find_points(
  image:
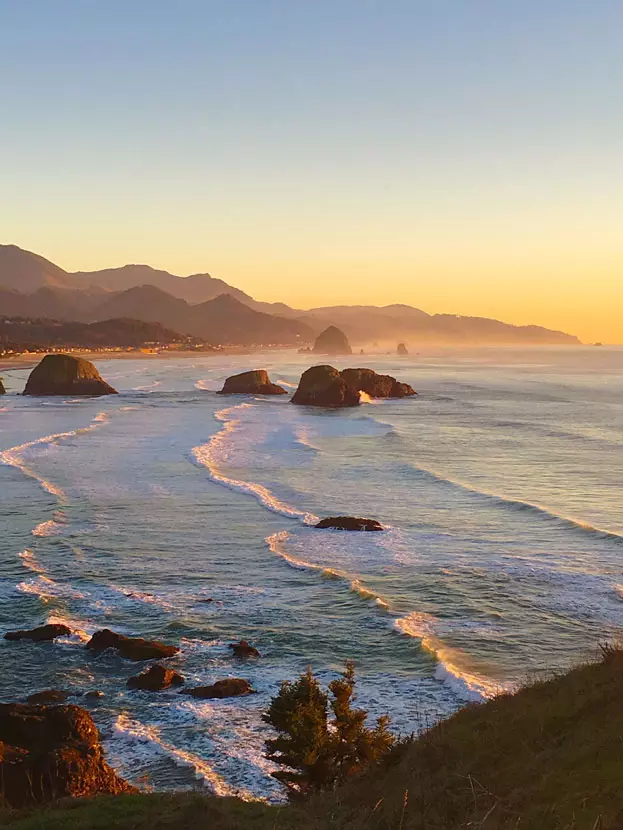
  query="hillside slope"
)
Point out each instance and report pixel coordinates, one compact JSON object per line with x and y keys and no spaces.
{"x":547,"y":758}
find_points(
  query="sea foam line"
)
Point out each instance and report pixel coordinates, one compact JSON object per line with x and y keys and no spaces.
{"x":206,"y":455}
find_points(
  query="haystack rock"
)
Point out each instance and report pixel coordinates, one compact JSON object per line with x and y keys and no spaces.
{"x":402,"y":349}
{"x":231,"y":687}
{"x":349,"y":523}
{"x":256,"y":382}
{"x":41,"y":634}
{"x":155,"y":679}
{"x":133,"y":648}
{"x":64,"y":374}
{"x":324,"y":386}
{"x":375,"y":385}
{"x":51,"y":752}
{"x":332,"y":341}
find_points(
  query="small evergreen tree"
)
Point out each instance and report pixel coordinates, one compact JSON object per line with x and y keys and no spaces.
{"x":320,"y":753}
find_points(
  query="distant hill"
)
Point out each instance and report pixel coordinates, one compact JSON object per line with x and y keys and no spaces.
{"x":31,"y":285}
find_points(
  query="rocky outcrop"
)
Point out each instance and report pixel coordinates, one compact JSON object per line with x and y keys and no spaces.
{"x":64,"y":374}
{"x":324,"y":386}
{"x":155,"y":679}
{"x":48,"y":697}
{"x":332,"y":341}
{"x":51,"y":752}
{"x":231,"y":687}
{"x":243,"y":649}
{"x":349,"y":523}
{"x":132,"y":648}
{"x":40,"y":634}
{"x":256,"y":382}
{"x":375,"y":385}
{"x":401,"y":349}
{"x":2,"y":389}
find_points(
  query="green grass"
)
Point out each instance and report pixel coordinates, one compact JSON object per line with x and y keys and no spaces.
{"x":547,"y":758}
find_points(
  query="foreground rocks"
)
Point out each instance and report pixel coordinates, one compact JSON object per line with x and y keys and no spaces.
{"x":41,"y":634}
{"x":231,"y":687}
{"x":50,"y":752}
{"x":243,"y":649}
{"x":132,"y":648}
{"x":256,"y":382}
{"x":324,"y":386}
{"x":155,"y":679}
{"x":64,"y":374}
{"x":349,"y":523}
{"x":332,"y":341}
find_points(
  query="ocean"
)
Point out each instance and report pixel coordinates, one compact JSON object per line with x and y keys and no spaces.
{"x":171,"y":512}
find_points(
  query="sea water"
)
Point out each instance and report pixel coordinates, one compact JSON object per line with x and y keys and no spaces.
{"x":169,"y":511}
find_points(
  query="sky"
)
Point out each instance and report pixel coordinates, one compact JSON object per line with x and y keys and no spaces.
{"x":462,"y":156}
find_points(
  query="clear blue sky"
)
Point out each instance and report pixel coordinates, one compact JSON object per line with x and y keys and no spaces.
{"x":464,"y":156}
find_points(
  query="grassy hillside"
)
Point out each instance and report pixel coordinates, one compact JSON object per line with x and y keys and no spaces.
{"x":550,"y":756}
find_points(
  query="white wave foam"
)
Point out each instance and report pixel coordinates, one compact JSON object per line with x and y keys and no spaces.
{"x":365,"y":398}
{"x":80,"y":633}
{"x":207,"y":385}
{"x":211,"y":454}
{"x":287,"y":383}
{"x":148,"y":386}
{"x":49,"y":528}
{"x":29,"y":560}
{"x":47,"y":589}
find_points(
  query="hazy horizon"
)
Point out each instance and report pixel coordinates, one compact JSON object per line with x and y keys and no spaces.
{"x":461,"y":158}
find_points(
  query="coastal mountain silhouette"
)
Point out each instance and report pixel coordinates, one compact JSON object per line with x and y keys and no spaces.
{"x":208,"y":307}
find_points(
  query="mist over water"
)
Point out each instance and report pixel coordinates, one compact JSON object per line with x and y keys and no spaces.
{"x":169,"y":511}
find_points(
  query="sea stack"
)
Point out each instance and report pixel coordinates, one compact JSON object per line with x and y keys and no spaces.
{"x":324,"y":386}
{"x":256,"y":382}
{"x":402,"y":350}
{"x":332,"y":341}
{"x":64,"y":374}
{"x":375,"y":385}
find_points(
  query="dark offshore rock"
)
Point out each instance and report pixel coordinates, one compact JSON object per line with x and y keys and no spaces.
{"x":349,"y":523}
{"x":133,"y":648}
{"x":40,"y":634}
{"x":256,"y":382}
{"x":332,"y":341}
{"x":64,"y":374}
{"x":243,"y":649}
{"x":48,"y":697}
{"x":155,"y":679}
{"x":324,"y":386}
{"x":231,"y":687}
{"x":375,"y":385}
{"x":51,"y":752}
{"x":402,"y":349}
{"x":2,"y":389}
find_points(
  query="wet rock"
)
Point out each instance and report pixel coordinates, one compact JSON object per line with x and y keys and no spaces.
{"x":64,"y":374}
{"x":94,"y":694}
{"x":40,"y":634}
{"x":243,"y":649}
{"x":256,"y":382}
{"x":49,"y":696}
{"x":133,"y":648}
{"x":324,"y":386}
{"x":155,"y":679}
{"x":375,"y":385}
{"x":349,"y":523}
{"x":51,"y":752}
{"x":332,"y":341}
{"x":231,"y":687}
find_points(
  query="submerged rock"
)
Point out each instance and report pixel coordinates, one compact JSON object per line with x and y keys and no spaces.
{"x":51,"y":752}
{"x":49,"y":696}
{"x":375,"y":385}
{"x":243,"y":649}
{"x":64,"y":374}
{"x":401,"y":349}
{"x":256,"y":382}
{"x":349,"y":523}
{"x":41,"y":634}
{"x":133,"y":648}
{"x":155,"y":679}
{"x":324,"y":386}
{"x":231,"y":687}
{"x":332,"y":341}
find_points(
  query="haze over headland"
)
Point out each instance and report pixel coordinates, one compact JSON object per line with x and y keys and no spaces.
{"x":322,"y":153}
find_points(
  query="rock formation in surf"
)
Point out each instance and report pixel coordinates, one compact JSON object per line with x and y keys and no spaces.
{"x":51,"y":752}
{"x":64,"y":374}
{"x":332,"y":341}
{"x":133,"y":648}
{"x":2,"y":389}
{"x":349,"y":523}
{"x":40,"y":634}
{"x":402,"y":349}
{"x":324,"y":386}
{"x":231,"y":687}
{"x":155,"y":679}
{"x":243,"y":649}
{"x":256,"y":382}
{"x":48,"y":698}
{"x":375,"y":385}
